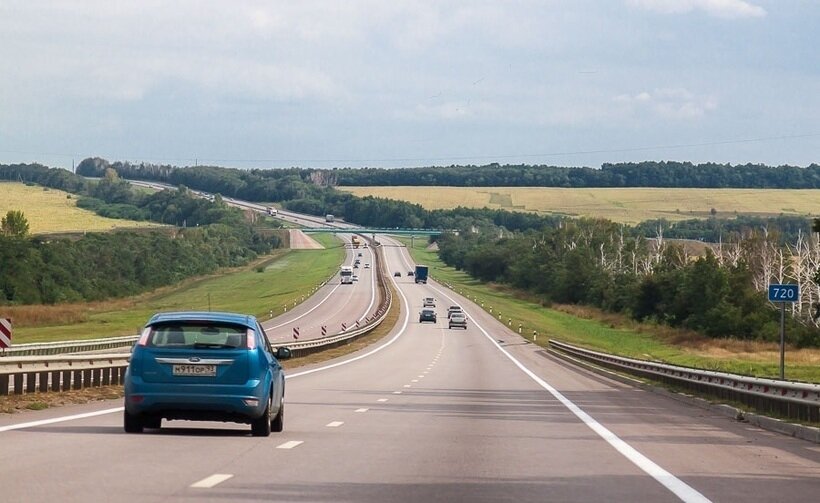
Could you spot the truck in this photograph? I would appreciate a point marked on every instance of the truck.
(421, 274)
(347, 275)
(329, 218)
(272, 211)
(355, 241)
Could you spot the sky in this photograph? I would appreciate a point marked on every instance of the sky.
(255, 84)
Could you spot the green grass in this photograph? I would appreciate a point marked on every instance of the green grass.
(591, 333)
(244, 290)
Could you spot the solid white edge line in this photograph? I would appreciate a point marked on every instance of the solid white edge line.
(33, 424)
(209, 482)
(365, 355)
(679, 488)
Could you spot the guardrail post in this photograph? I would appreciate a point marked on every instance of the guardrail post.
(18, 384)
(77, 379)
(43, 376)
(31, 382)
(4, 384)
(56, 382)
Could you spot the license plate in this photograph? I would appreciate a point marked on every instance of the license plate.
(195, 370)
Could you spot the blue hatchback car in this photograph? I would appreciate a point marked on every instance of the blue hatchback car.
(205, 366)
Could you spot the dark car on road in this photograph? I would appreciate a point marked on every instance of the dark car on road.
(427, 315)
(205, 366)
(397, 274)
(410, 273)
(457, 319)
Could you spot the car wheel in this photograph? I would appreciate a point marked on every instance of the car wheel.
(152, 422)
(278, 423)
(132, 423)
(260, 427)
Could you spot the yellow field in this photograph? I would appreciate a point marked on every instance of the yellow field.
(627, 205)
(50, 210)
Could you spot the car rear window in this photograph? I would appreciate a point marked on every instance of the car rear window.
(198, 335)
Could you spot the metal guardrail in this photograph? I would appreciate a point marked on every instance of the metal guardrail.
(795, 400)
(28, 374)
(53, 348)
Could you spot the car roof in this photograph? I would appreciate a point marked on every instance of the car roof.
(208, 316)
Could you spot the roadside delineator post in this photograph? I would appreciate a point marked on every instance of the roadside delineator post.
(344, 327)
(324, 330)
(285, 308)
(534, 335)
(520, 328)
(357, 324)
(295, 332)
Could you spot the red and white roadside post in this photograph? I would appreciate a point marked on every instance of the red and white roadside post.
(5, 333)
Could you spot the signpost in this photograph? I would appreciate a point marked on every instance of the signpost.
(783, 294)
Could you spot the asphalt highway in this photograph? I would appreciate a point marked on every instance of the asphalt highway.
(426, 414)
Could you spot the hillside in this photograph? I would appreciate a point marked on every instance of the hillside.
(51, 210)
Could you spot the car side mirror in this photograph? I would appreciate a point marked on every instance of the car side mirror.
(283, 353)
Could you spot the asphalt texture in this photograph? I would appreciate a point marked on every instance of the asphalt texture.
(425, 414)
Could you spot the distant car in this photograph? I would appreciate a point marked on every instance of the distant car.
(428, 302)
(458, 319)
(205, 366)
(357, 261)
(427, 315)
(366, 265)
(453, 309)
(355, 266)
(354, 278)
(359, 255)
(409, 273)
(397, 274)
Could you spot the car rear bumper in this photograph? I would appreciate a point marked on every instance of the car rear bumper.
(197, 401)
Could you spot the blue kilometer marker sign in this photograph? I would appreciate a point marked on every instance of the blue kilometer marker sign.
(784, 293)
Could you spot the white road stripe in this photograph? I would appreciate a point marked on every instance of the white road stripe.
(406, 385)
(678, 487)
(42, 422)
(334, 424)
(208, 482)
(414, 380)
(397, 392)
(362, 410)
(382, 399)
(290, 445)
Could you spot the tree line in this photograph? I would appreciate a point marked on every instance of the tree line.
(597, 263)
(209, 235)
(641, 174)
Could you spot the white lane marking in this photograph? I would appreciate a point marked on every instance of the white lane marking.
(406, 385)
(305, 313)
(374, 351)
(397, 392)
(678, 487)
(382, 399)
(401, 331)
(414, 380)
(421, 376)
(362, 410)
(290, 445)
(33, 424)
(334, 424)
(208, 482)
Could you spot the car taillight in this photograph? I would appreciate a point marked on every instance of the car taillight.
(251, 338)
(143, 340)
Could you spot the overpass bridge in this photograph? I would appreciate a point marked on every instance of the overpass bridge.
(372, 230)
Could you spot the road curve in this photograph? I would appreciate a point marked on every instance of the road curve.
(426, 414)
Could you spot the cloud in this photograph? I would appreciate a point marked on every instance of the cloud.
(727, 9)
(669, 103)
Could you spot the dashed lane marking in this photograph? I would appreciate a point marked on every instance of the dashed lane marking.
(334, 424)
(382, 399)
(208, 482)
(362, 410)
(290, 445)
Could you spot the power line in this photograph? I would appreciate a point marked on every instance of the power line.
(200, 160)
